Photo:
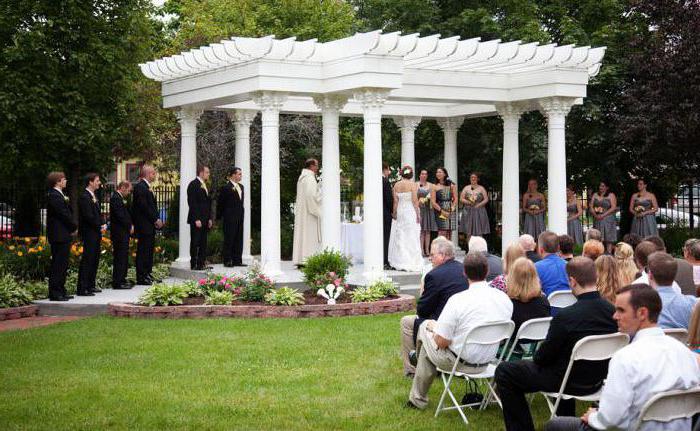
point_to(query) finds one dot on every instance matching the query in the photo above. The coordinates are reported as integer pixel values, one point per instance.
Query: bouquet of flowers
(444, 215)
(471, 199)
(534, 207)
(424, 201)
(598, 210)
(639, 210)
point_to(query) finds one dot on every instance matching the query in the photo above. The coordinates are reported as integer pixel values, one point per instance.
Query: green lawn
(319, 374)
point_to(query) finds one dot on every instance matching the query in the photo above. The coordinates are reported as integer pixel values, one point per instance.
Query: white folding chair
(590, 348)
(680, 334)
(534, 330)
(561, 298)
(487, 334)
(671, 405)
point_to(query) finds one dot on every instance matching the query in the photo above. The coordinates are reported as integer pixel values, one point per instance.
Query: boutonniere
(65, 198)
(94, 200)
(124, 201)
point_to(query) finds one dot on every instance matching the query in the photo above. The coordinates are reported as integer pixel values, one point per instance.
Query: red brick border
(18, 312)
(121, 309)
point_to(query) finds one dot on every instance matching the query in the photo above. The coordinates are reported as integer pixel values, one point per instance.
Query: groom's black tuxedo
(229, 207)
(200, 210)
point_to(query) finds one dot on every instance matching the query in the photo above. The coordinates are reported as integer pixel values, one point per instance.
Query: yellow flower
(12, 247)
(19, 253)
(133, 254)
(27, 240)
(80, 250)
(158, 249)
(40, 248)
(31, 250)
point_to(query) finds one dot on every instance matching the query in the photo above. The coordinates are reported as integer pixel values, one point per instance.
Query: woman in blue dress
(603, 207)
(533, 205)
(643, 207)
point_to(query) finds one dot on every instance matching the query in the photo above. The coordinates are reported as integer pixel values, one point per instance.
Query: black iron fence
(23, 210)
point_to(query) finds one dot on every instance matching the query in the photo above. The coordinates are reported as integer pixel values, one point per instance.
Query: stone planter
(121, 309)
(18, 312)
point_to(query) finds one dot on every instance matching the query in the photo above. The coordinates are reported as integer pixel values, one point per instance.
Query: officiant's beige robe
(307, 218)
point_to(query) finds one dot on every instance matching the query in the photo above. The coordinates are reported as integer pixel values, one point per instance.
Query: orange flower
(40, 248)
(158, 249)
(133, 254)
(27, 240)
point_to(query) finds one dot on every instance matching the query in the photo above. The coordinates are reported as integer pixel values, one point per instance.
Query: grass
(283, 374)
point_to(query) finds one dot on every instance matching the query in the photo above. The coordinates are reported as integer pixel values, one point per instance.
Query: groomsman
(199, 217)
(229, 207)
(145, 217)
(387, 210)
(60, 229)
(121, 228)
(90, 225)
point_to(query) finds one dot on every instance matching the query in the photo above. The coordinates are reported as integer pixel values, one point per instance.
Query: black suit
(120, 230)
(229, 207)
(440, 284)
(591, 315)
(388, 201)
(144, 214)
(199, 210)
(89, 226)
(59, 229)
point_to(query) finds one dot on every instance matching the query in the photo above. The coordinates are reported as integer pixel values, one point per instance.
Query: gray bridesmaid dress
(534, 224)
(427, 214)
(574, 227)
(644, 226)
(607, 226)
(475, 221)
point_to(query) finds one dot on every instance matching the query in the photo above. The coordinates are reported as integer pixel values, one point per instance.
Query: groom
(388, 207)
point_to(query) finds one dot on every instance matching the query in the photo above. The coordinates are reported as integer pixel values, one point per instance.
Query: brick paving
(33, 322)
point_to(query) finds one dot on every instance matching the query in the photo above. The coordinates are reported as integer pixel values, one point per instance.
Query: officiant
(307, 214)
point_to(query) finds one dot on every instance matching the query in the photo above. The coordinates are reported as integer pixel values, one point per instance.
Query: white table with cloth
(351, 241)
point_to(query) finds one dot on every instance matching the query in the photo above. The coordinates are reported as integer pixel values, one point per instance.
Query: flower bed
(18, 312)
(392, 305)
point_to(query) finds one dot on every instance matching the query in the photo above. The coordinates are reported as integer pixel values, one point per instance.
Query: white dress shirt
(236, 187)
(204, 185)
(644, 279)
(464, 310)
(650, 364)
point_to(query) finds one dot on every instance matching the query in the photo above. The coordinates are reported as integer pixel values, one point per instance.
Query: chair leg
(447, 382)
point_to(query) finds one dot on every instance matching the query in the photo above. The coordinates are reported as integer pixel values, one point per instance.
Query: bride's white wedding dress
(405, 252)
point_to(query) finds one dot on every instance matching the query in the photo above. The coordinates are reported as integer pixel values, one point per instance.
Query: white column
(556, 109)
(450, 127)
(510, 197)
(270, 104)
(372, 101)
(242, 118)
(188, 118)
(330, 106)
(408, 126)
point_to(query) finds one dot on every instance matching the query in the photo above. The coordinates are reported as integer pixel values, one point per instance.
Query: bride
(404, 242)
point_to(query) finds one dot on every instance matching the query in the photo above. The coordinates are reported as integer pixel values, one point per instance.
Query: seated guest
(608, 277)
(513, 252)
(592, 249)
(443, 340)
(684, 271)
(590, 315)
(691, 254)
(525, 292)
(641, 257)
(552, 268)
(527, 242)
(444, 280)
(694, 330)
(566, 247)
(478, 244)
(677, 307)
(652, 363)
(632, 239)
(595, 234)
(626, 268)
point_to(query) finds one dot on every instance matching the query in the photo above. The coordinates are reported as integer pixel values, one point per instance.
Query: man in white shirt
(652, 363)
(443, 340)
(641, 258)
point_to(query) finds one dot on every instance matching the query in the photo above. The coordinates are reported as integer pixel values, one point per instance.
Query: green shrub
(12, 294)
(365, 294)
(215, 245)
(193, 288)
(219, 298)
(257, 285)
(385, 287)
(324, 267)
(37, 289)
(284, 296)
(163, 294)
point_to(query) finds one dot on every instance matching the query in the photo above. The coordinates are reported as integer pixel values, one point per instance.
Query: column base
(247, 258)
(182, 262)
(370, 275)
(272, 269)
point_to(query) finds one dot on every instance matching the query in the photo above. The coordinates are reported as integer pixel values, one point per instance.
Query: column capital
(242, 117)
(556, 105)
(188, 114)
(371, 98)
(410, 123)
(511, 110)
(330, 102)
(450, 124)
(270, 101)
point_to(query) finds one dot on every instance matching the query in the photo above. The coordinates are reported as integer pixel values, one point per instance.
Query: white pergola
(405, 77)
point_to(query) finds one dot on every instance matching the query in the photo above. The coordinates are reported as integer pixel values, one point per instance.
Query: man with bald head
(146, 221)
(527, 243)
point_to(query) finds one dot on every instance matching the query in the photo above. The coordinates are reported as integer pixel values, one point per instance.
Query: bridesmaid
(533, 205)
(603, 207)
(574, 211)
(427, 215)
(474, 198)
(643, 207)
(444, 200)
